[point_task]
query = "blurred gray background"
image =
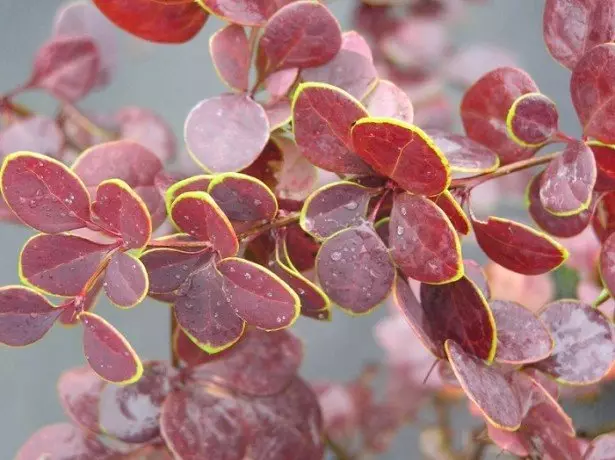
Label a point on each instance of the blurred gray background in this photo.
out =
(170, 80)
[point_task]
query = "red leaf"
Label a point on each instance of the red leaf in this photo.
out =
(60, 264)
(323, 117)
(279, 83)
(518, 247)
(226, 133)
(244, 12)
(25, 316)
(302, 249)
(122, 212)
(388, 100)
(463, 154)
(573, 27)
(402, 152)
(354, 41)
(601, 448)
(584, 343)
(190, 353)
(522, 337)
(567, 183)
(131, 413)
(79, 393)
(231, 56)
(67, 67)
(474, 272)
(455, 213)
(35, 134)
(532, 120)
(108, 352)
(605, 166)
(355, 269)
(44, 193)
(592, 90)
(607, 263)
(148, 129)
(279, 113)
(197, 214)
(198, 183)
(301, 34)
(486, 388)
(126, 281)
(485, 106)
(162, 22)
(258, 296)
(334, 207)
(423, 242)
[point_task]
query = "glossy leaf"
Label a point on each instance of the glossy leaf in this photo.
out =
(593, 92)
(149, 130)
(348, 70)
(532, 120)
(66, 67)
(122, 212)
(79, 393)
(126, 281)
(131, 413)
(243, 198)
(261, 364)
(204, 311)
(230, 53)
(168, 268)
(458, 311)
(60, 264)
(44, 193)
(485, 387)
(453, 210)
(323, 117)
(572, 28)
(334, 207)
(128, 161)
(463, 154)
(226, 133)
(485, 107)
(584, 342)
(108, 352)
(522, 337)
(423, 242)
(63, 441)
(167, 22)
(518, 247)
(402, 152)
(257, 295)
(25, 316)
(567, 183)
(388, 100)
(355, 269)
(301, 34)
(35, 134)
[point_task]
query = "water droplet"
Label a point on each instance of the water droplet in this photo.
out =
(400, 230)
(278, 319)
(184, 267)
(177, 277)
(33, 315)
(403, 211)
(39, 193)
(301, 291)
(257, 202)
(22, 200)
(351, 205)
(105, 284)
(270, 294)
(247, 276)
(32, 203)
(336, 255)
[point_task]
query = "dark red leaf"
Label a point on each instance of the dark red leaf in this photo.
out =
(522, 337)
(486, 387)
(402, 152)
(592, 90)
(108, 352)
(355, 269)
(163, 22)
(60, 264)
(197, 214)
(244, 12)
(463, 154)
(122, 212)
(334, 207)
(131, 413)
(63, 441)
(302, 249)
(453, 210)
(323, 117)
(459, 311)
(485, 106)
(568, 182)
(257, 295)
(226, 133)
(607, 263)
(198, 183)
(190, 353)
(518, 247)
(67, 67)
(477, 275)
(601, 448)
(261, 364)
(44, 193)
(584, 342)
(204, 311)
(35, 134)
(25, 316)
(168, 268)
(532, 120)
(126, 280)
(605, 166)
(79, 393)
(301, 34)
(149, 130)
(231, 56)
(573, 27)
(423, 242)
(382, 229)
(603, 220)
(388, 100)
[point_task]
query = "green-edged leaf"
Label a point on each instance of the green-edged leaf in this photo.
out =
(126, 281)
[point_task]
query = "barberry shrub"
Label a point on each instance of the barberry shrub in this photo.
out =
(242, 249)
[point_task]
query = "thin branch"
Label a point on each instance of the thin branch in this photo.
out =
(281, 222)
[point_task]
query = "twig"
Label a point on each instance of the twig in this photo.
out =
(281, 222)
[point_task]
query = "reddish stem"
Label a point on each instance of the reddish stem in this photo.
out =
(378, 205)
